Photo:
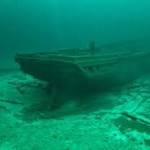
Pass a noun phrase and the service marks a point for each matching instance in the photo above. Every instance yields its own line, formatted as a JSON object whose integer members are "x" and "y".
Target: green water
{"x": 33, "y": 25}
{"x": 117, "y": 119}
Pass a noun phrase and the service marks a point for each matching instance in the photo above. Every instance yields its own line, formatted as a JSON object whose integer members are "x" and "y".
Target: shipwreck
{"x": 81, "y": 70}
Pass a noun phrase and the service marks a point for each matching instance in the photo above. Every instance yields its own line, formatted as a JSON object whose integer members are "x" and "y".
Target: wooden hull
{"x": 85, "y": 73}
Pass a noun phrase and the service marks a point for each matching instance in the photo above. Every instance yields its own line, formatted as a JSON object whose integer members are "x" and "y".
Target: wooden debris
{"x": 136, "y": 118}
{"x": 11, "y": 101}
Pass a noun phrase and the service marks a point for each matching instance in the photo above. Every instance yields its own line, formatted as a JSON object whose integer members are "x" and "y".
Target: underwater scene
{"x": 74, "y": 75}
